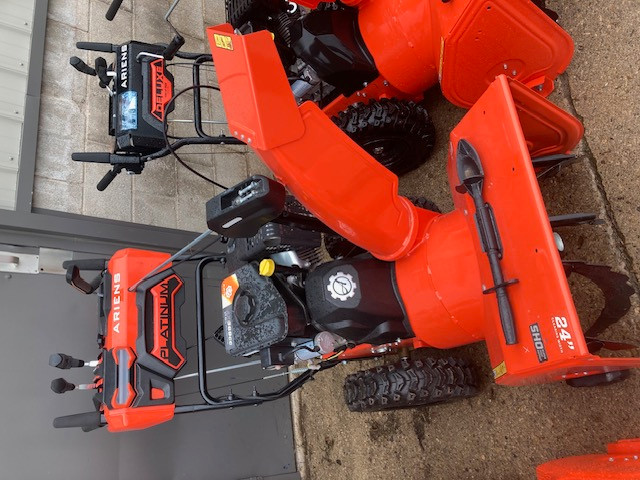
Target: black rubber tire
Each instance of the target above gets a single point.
(409, 383)
(397, 133)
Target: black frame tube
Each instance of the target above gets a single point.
(220, 140)
(197, 104)
(231, 400)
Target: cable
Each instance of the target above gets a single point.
(296, 349)
(325, 364)
(206, 340)
(223, 386)
(190, 65)
(192, 256)
(170, 146)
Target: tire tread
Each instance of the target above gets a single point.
(409, 383)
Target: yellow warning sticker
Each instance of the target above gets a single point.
(500, 370)
(223, 41)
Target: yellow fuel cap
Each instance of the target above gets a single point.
(267, 267)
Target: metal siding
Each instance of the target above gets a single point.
(16, 23)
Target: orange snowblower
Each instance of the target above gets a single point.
(368, 63)
(490, 270)
(404, 277)
(621, 462)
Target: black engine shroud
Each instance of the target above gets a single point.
(357, 299)
(331, 43)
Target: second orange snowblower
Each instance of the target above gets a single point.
(368, 63)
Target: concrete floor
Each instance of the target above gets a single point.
(505, 432)
(74, 118)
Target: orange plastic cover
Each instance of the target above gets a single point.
(545, 316)
(126, 267)
(137, 418)
(622, 462)
(494, 37)
(333, 177)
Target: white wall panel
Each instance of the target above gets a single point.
(16, 20)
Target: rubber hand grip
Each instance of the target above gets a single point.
(96, 46)
(64, 362)
(94, 264)
(60, 385)
(74, 278)
(82, 67)
(90, 428)
(176, 43)
(100, 67)
(113, 9)
(89, 420)
(107, 179)
(91, 157)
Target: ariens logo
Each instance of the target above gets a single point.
(115, 303)
(124, 67)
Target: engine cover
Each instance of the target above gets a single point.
(357, 299)
(330, 41)
(253, 311)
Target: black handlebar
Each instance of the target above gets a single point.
(74, 278)
(176, 44)
(91, 157)
(97, 46)
(82, 67)
(113, 9)
(129, 161)
(60, 385)
(64, 362)
(89, 420)
(132, 163)
(74, 274)
(94, 264)
(108, 178)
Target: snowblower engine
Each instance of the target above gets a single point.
(279, 301)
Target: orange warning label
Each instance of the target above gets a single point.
(228, 290)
